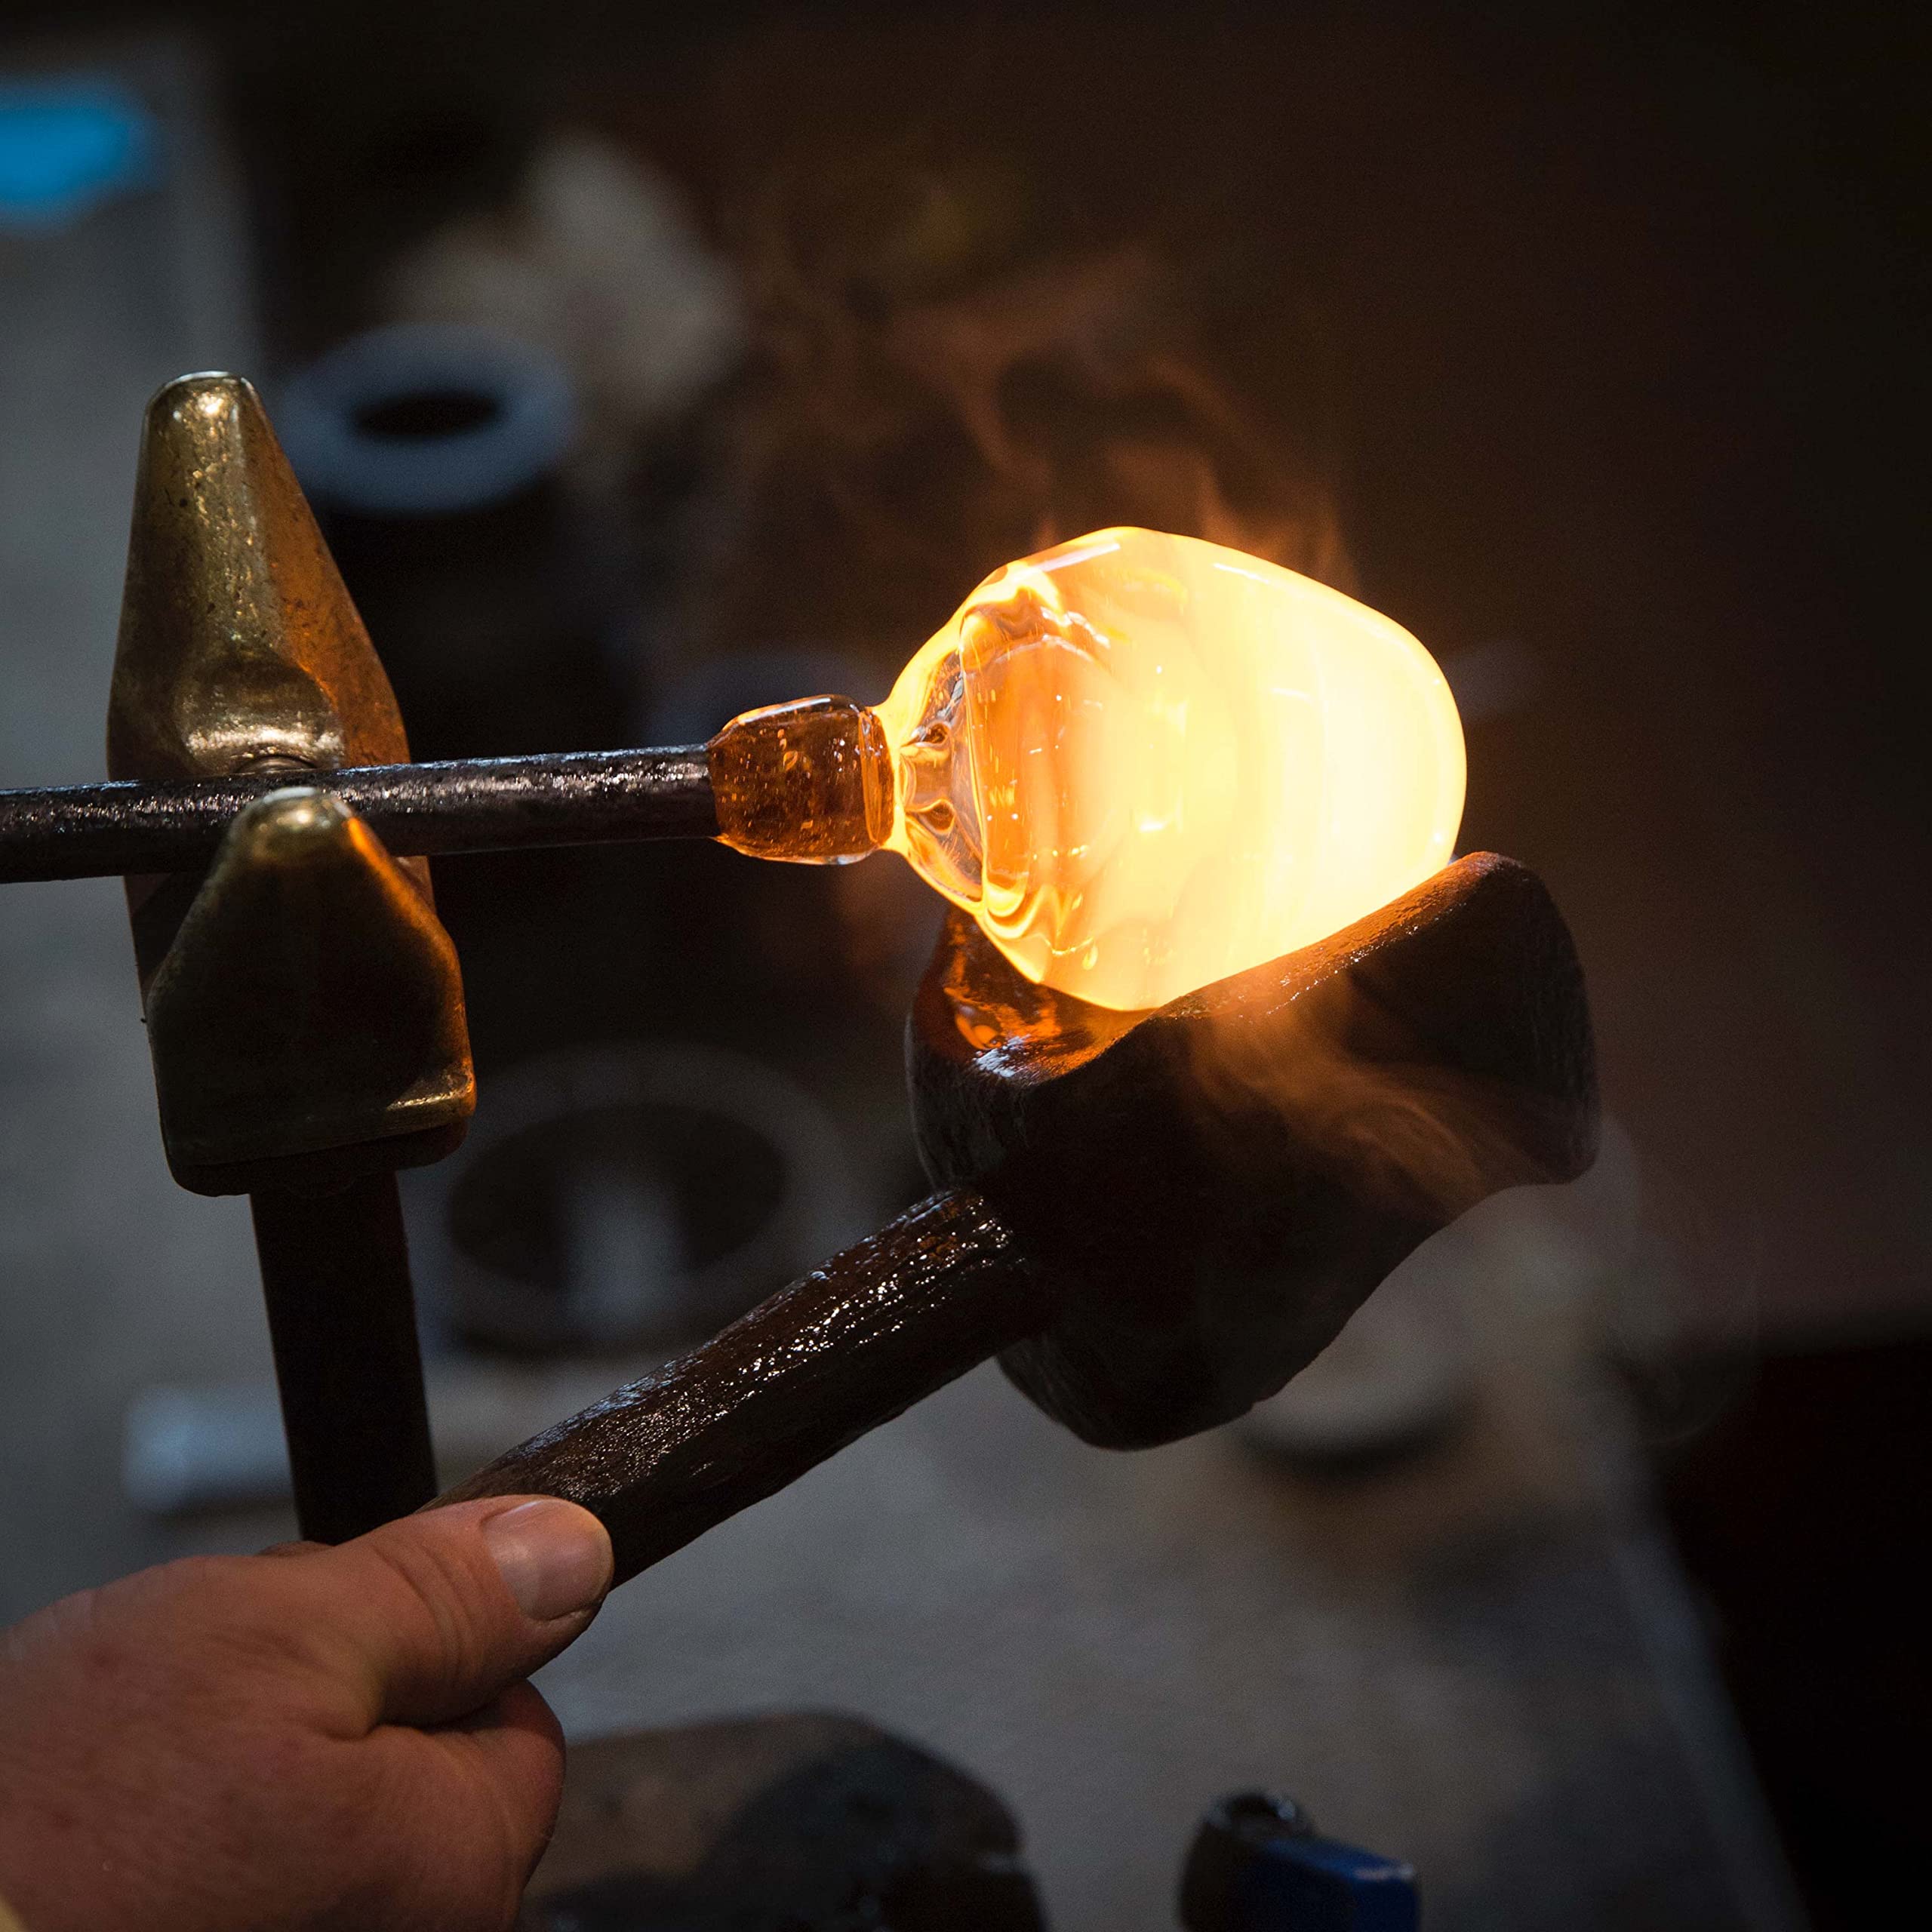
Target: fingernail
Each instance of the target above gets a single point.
(555, 1556)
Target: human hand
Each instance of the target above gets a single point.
(302, 1741)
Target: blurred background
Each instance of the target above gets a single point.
(643, 367)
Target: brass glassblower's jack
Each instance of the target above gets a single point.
(304, 1005)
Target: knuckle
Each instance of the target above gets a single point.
(437, 1589)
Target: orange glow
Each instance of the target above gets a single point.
(1143, 762)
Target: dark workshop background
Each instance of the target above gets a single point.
(1590, 346)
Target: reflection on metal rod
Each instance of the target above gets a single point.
(466, 805)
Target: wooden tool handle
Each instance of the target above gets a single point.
(852, 1345)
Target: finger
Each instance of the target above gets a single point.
(490, 1783)
(516, 1744)
(427, 1618)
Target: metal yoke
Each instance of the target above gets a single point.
(304, 1004)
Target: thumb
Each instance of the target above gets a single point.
(427, 1618)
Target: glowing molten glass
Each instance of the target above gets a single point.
(1142, 762)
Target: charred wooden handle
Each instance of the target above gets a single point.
(851, 1345)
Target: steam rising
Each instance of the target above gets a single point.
(1406, 1133)
(935, 395)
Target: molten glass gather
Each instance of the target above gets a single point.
(1142, 762)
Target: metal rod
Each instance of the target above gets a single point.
(342, 1317)
(491, 804)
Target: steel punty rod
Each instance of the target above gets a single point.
(465, 805)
